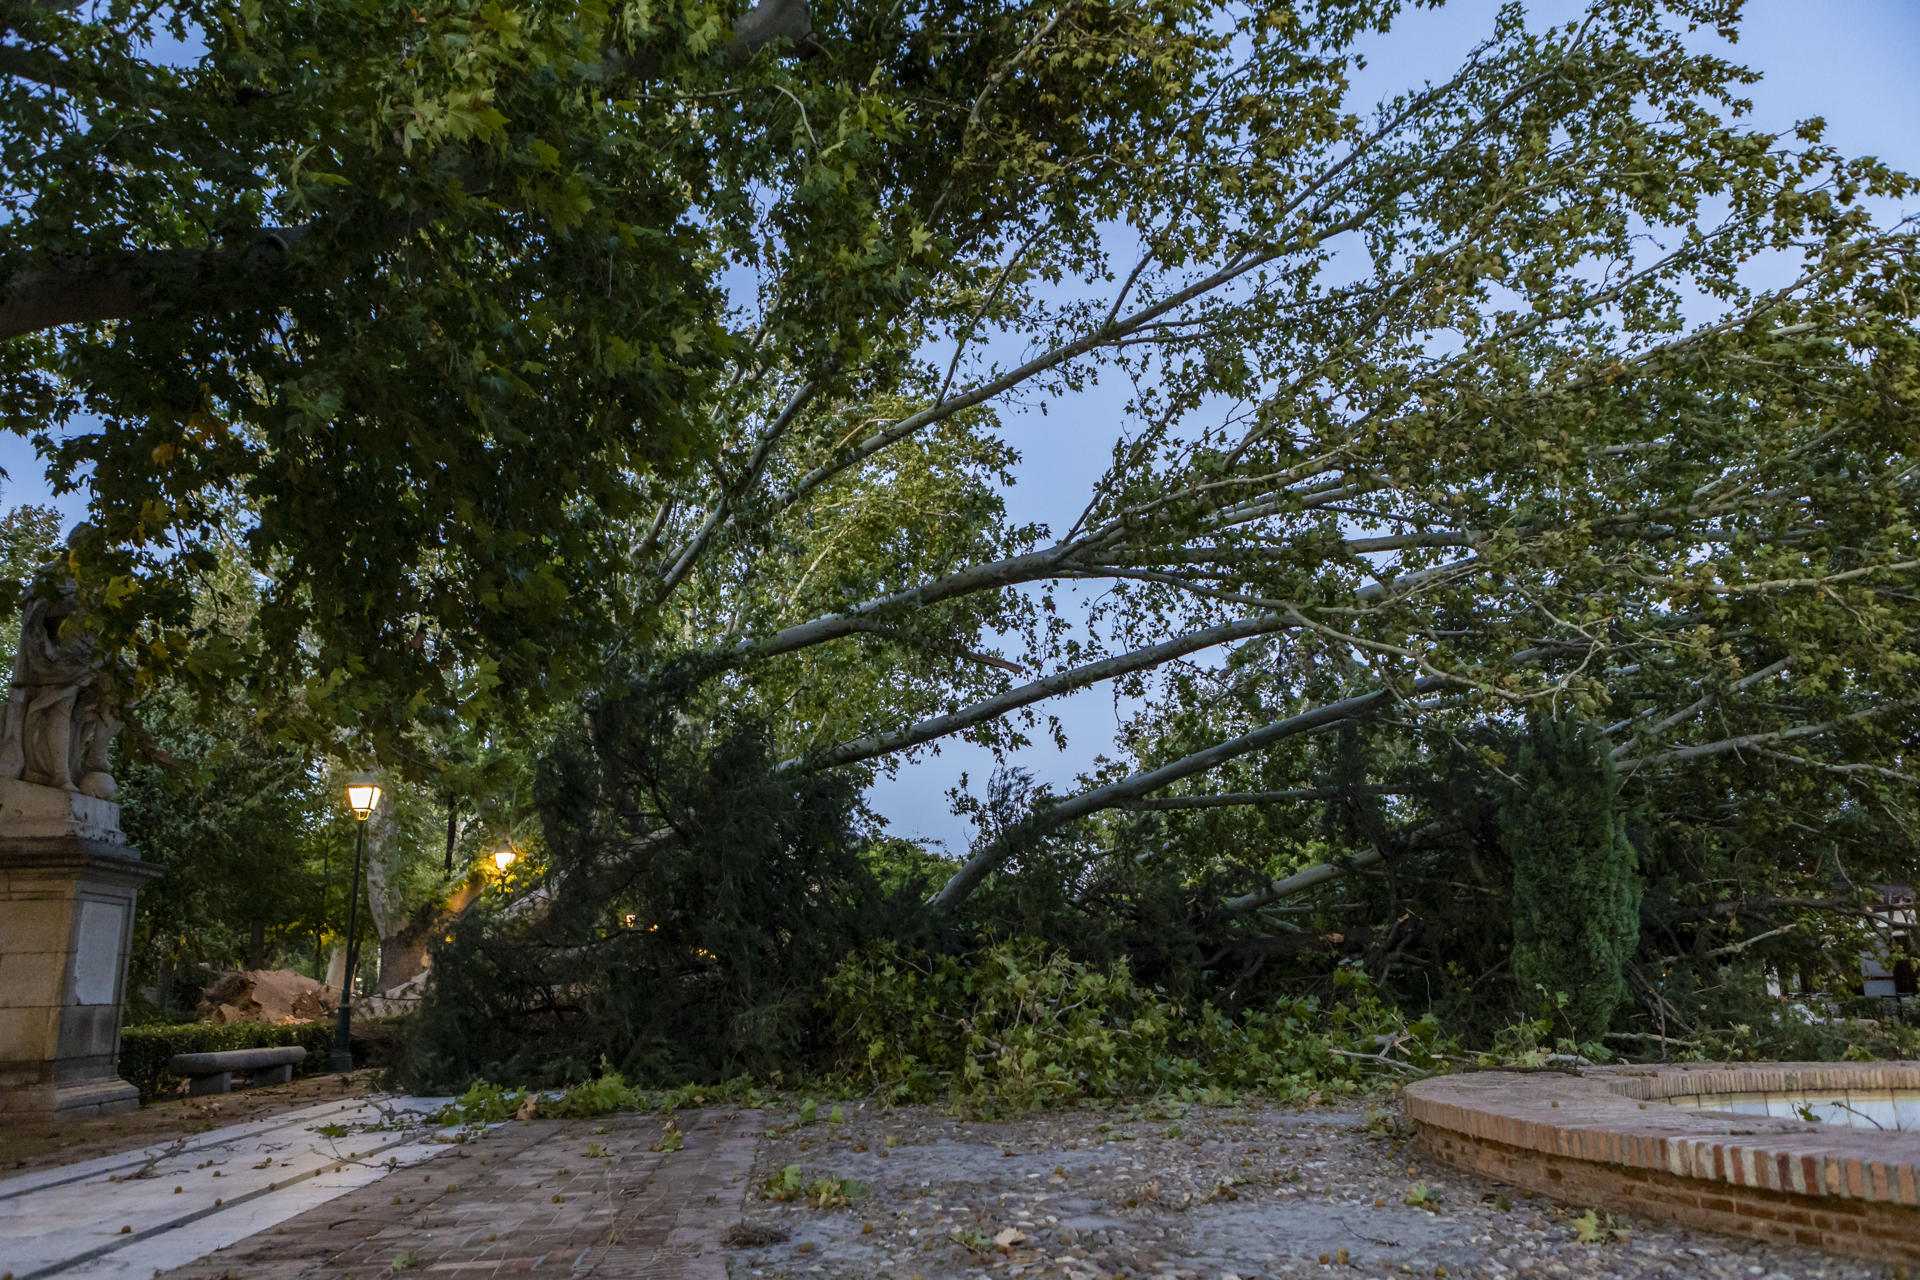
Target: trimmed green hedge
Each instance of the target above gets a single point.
(144, 1051)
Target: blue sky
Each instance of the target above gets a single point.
(1855, 62)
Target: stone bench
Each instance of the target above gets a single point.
(213, 1072)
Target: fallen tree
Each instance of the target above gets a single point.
(1444, 416)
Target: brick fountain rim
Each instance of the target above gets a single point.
(1609, 1135)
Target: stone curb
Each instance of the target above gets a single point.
(1610, 1134)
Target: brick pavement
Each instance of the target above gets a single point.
(536, 1198)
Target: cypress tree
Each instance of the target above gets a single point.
(1576, 888)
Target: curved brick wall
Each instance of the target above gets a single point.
(1606, 1137)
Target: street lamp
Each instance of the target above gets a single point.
(363, 797)
(502, 859)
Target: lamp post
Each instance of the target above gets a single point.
(363, 797)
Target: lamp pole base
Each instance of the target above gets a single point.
(341, 1059)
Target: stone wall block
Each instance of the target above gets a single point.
(68, 884)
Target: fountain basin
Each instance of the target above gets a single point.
(1698, 1143)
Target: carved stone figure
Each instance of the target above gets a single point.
(60, 720)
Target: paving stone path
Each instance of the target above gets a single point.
(33, 1142)
(132, 1213)
(538, 1198)
(1157, 1189)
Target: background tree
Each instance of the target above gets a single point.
(29, 536)
(251, 831)
(246, 833)
(424, 305)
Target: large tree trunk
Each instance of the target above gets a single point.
(403, 956)
(403, 942)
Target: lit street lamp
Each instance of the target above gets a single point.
(502, 859)
(363, 797)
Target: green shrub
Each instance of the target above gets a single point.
(1023, 1026)
(598, 1097)
(144, 1051)
(482, 1103)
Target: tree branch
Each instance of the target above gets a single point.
(1320, 873)
(1237, 799)
(89, 288)
(1059, 814)
(1706, 700)
(697, 545)
(1681, 754)
(879, 744)
(1299, 882)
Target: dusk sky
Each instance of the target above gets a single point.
(1855, 62)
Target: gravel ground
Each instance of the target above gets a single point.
(1197, 1194)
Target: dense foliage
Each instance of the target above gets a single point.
(699, 956)
(1575, 902)
(706, 914)
(1017, 1026)
(423, 303)
(249, 840)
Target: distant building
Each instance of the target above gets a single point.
(1891, 969)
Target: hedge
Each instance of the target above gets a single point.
(144, 1051)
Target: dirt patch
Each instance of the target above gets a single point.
(267, 995)
(1182, 1193)
(28, 1142)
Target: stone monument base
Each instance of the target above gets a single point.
(68, 882)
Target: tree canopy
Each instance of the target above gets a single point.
(1464, 407)
(665, 356)
(426, 305)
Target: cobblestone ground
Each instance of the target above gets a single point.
(1150, 1192)
(539, 1198)
(1175, 1193)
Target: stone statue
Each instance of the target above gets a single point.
(60, 718)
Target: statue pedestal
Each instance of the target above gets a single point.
(67, 886)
